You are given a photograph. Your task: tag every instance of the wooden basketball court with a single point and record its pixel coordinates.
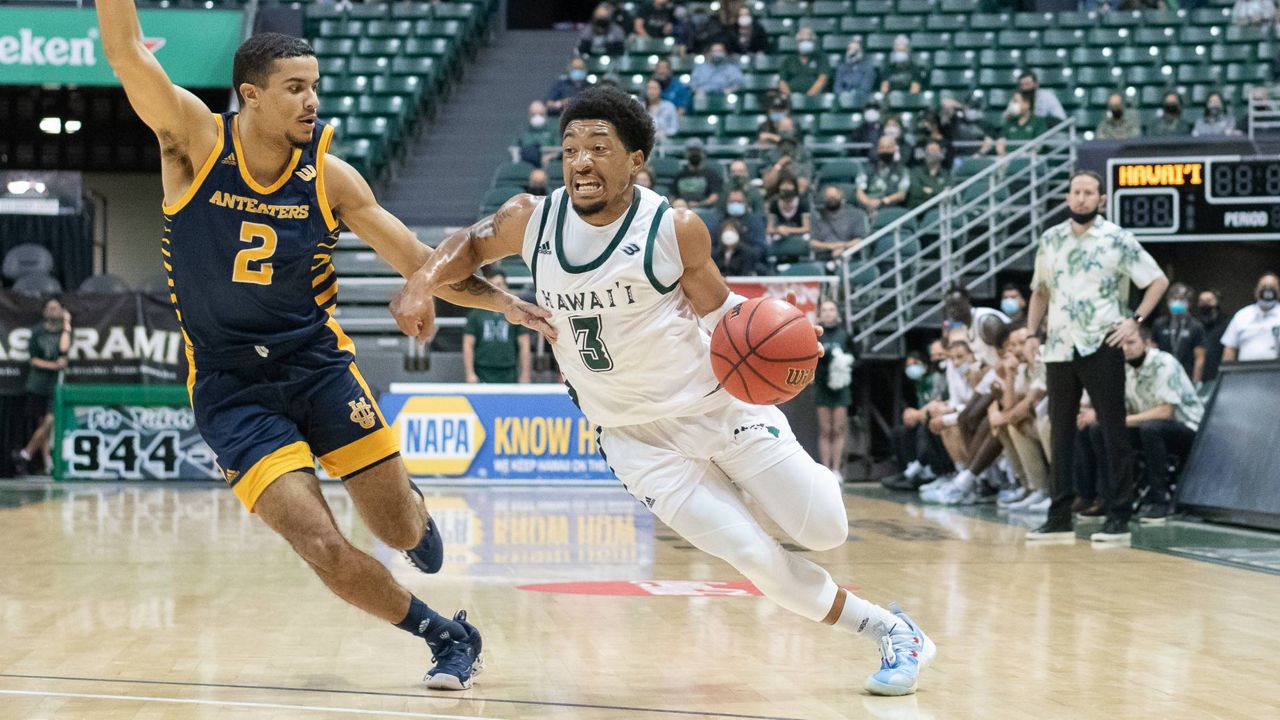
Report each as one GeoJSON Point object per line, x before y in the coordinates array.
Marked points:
{"type": "Point", "coordinates": [131, 601]}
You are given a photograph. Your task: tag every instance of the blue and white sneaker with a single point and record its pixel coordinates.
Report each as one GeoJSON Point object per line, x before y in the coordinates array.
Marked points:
{"type": "Point", "coordinates": [1011, 495]}
{"type": "Point", "coordinates": [904, 652]}
{"type": "Point", "coordinates": [955, 494]}
{"type": "Point", "coordinates": [456, 654]}
{"type": "Point", "coordinates": [932, 486]}
{"type": "Point", "coordinates": [428, 555]}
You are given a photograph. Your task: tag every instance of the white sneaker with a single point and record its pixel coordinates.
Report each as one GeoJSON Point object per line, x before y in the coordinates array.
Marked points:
{"type": "Point", "coordinates": [956, 494]}
{"type": "Point", "coordinates": [1011, 496]}
{"type": "Point", "coordinates": [1040, 506]}
{"type": "Point", "coordinates": [1032, 498]}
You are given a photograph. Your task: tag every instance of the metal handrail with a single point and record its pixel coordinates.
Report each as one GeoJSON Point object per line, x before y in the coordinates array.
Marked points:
{"type": "Point", "coordinates": [1263, 114]}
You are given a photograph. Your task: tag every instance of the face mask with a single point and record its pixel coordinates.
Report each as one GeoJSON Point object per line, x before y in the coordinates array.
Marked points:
{"type": "Point", "coordinates": [737, 209]}
{"type": "Point", "coordinates": [898, 56]}
{"type": "Point", "coordinates": [1213, 111]}
{"type": "Point", "coordinates": [602, 23]}
{"type": "Point", "coordinates": [854, 54]}
{"type": "Point", "coordinates": [933, 158]}
{"type": "Point", "coordinates": [973, 115]}
{"type": "Point", "coordinates": [871, 115]}
{"type": "Point", "coordinates": [695, 158]}
{"type": "Point", "coordinates": [1137, 362]}
{"type": "Point", "coordinates": [577, 75]}
{"type": "Point", "coordinates": [699, 20]}
{"type": "Point", "coordinates": [1015, 110]}
{"type": "Point", "coordinates": [787, 193]}
{"type": "Point", "coordinates": [1010, 306]}
{"type": "Point", "coordinates": [1207, 313]}
{"type": "Point", "coordinates": [833, 204]}
{"type": "Point", "coordinates": [1085, 218]}
{"type": "Point", "coordinates": [718, 58]}
{"type": "Point", "coordinates": [1267, 298]}
{"type": "Point", "coordinates": [1178, 307]}
{"type": "Point", "coordinates": [537, 189]}
{"type": "Point", "coordinates": [537, 121]}
{"type": "Point", "coordinates": [893, 131]}
{"type": "Point", "coordinates": [966, 368]}
{"type": "Point", "coordinates": [805, 47]}
{"type": "Point", "coordinates": [915, 371]}
{"type": "Point", "coordinates": [729, 238]}
{"type": "Point", "coordinates": [744, 21]}
{"type": "Point", "coordinates": [1117, 112]}
{"type": "Point", "coordinates": [1172, 110]}
{"type": "Point", "coordinates": [885, 158]}
{"type": "Point", "coordinates": [776, 116]}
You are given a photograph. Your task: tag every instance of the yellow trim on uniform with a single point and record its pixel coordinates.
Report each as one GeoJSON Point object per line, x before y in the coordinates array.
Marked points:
{"type": "Point", "coordinates": [322, 197]}
{"type": "Point", "coordinates": [377, 445]}
{"type": "Point", "coordinates": [344, 342]}
{"type": "Point", "coordinates": [244, 165]}
{"type": "Point", "coordinates": [267, 470]}
{"type": "Point", "coordinates": [165, 253]}
{"type": "Point", "coordinates": [327, 295]}
{"type": "Point", "coordinates": [324, 275]}
{"type": "Point", "coordinates": [368, 393]}
{"type": "Point", "coordinates": [167, 266]}
{"type": "Point", "coordinates": [198, 180]}
{"type": "Point", "coordinates": [191, 365]}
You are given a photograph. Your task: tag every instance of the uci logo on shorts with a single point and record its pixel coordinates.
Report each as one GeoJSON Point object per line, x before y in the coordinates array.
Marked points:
{"type": "Point", "coordinates": [362, 413]}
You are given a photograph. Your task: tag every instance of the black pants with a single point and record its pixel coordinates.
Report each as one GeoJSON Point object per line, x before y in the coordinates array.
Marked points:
{"type": "Point", "coordinates": [1102, 374]}
{"type": "Point", "coordinates": [1159, 439]}
{"type": "Point", "coordinates": [1088, 462]}
{"type": "Point", "coordinates": [918, 444]}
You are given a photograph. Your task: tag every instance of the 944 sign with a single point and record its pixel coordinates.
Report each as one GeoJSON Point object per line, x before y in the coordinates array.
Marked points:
{"type": "Point", "coordinates": [124, 442]}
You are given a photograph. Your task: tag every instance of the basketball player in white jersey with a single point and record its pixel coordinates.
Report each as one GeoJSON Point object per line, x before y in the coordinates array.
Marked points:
{"type": "Point", "coordinates": [633, 295]}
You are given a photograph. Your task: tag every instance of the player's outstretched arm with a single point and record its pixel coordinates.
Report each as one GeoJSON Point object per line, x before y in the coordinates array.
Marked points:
{"type": "Point", "coordinates": [182, 122]}
{"type": "Point", "coordinates": [457, 258]}
{"type": "Point", "coordinates": [352, 199]}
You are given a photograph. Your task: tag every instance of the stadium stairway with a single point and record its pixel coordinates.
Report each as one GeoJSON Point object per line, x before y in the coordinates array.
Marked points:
{"type": "Point", "coordinates": [450, 167]}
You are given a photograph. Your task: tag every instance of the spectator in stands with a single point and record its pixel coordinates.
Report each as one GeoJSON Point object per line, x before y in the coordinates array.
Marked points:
{"type": "Point", "coordinates": [1253, 12]}
{"type": "Point", "coordinates": [698, 183]}
{"type": "Point", "coordinates": [644, 178]}
{"type": "Point", "coordinates": [603, 36]}
{"type": "Point", "coordinates": [47, 347]}
{"type": "Point", "coordinates": [1180, 334]}
{"type": "Point", "coordinates": [701, 30]}
{"type": "Point", "coordinates": [807, 71]}
{"type": "Point", "coordinates": [566, 88]}
{"type": "Point", "coordinates": [789, 157]}
{"type": "Point", "coordinates": [1164, 413]}
{"type": "Point", "coordinates": [537, 142]}
{"type": "Point", "coordinates": [657, 19]}
{"type": "Point", "coordinates": [751, 226]}
{"type": "Point", "coordinates": [718, 74]}
{"type": "Point", "coordinates": [1215, 324]}
{"type": "Point", "coordinates": [1119, 124]}
{"type": "Point", "coordinates": [961, 122]}
{"type": "Point", "coordinates": [888, 183]}
{"type": "Point", "coordinates": [1013, 303]}
{"type": "Point", "coordinates": [1170, 122]}
{"type": "Point", "coordinates": [1044, 101]}
{"type": "Point", "coordinates": [929, 178]}
{"type": "Point", "coordinates": [672, 88]}
{"type": "Point", "coordinates": [789, 210]}
{"type": "Point", "coordinates": [732, 254]}
{"type": "Point", "coordinates": [666, 121]}
{"type": "Point", "coordinates": [494, 350]}
{"type": "Point", "coordinates": [537, 182]}
{"type": "Point", "coordinates": [1214, 121]}
{"type": "Point", "coordinates": [776, 121]}
{"type": "Point", "coordinates": [1021, 124]}
{"type": "Point", "coordinates": [920, 454]}
{"type": "Point", "coordinates": [1254, 332]}
{"type": "Point", "coordinates": [831, 384]}
{"type": "Point", "coordinates": [746, 35]}
{"type": "Point", "coordinates": [901, 72]}
{"type": "Point", "coordinates": [837, 226]}
{"type": "Point", "coordinates": [894, 128]}
{"type": "Point", "coordinates": [856, 73]}
{"type": "Point", "coordinates": [929, 129]}
{"type": "Point", "coordinates": [869, 131]}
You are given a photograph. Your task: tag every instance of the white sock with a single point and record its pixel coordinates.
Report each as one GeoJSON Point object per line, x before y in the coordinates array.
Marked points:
{"type": "Point", "coordinates": [864, 618]}
{"type": "Point", "coordinates": [926, 473]}
{"type": "Point", "coordinates": [913, 469]}
{"type": "Point", "coordinates": [963, 480]}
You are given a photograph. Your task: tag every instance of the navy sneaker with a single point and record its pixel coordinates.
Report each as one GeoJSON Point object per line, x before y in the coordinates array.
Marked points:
{"type": "Point", "coordinates": [428, 556]}
{"type": "Point", "coordinates": [455, 650]}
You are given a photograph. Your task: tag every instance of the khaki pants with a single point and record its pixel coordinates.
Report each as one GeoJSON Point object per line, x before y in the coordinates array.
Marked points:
{"type": "Point", "coordinates": [1042, 429]}
{"type": "Point", "coordinates": [1022, 448]}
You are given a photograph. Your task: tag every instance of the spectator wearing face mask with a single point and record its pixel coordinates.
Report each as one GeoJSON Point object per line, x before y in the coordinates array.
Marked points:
{"type": "Point", "coordinates": [872, 124]}
{"type": "Point", "coordinates": [1253, 12]}
{"type": "Point", "coordinates": [1013, 303]}
{"type": "Point", "coordinates": [901, 72]}
{"type": "Point", "coordinates": [698, 183]}
{"type": "Point", "coordinates": [893, 128]}
{"type": "Point", "coordinates": [718, 74]}
{"type": "Point", "coordinates": [746, 35]}
{"type": "Point", "coordinates": [929, 129]}
{"type": "Point", "coordinates": [961, 123]}
{"type": "Point", "coordinates": [666, 121]}
{"type": "Point", "coordinates": [751, 226]}
{"type": "Point", "coordinates": [1044, 102]}
{"type": "Point", "coordinates": [1170, 122]}
{"type": "Point", "coordinates": [856, 73]}
{"type": "Point", "coordinates": [1021, 124]}
{"type": "Point", "coordinates": [807, 71]}
{"type": "Point", "coordinates": [832, 392]}
{"type": "Point", "coordinates": [657, 19]}
{"type": "Point", "coordinates": [1119, 124]}
{"type": "Point", "coordinates": [1215, 324]}
{"type": "Point", "coordinates": [566, 88]}
{"type": "Point", "coordinates": [673, 89]}
{"type": "Point", "coordinates": [538, 141]}
{"type": "Point", "coordinates": [1164, 413]}
{"type": "Point", "coordinates": [837, 226]}
{"type": "Point", "coordinates": [739, 178]}
{"type": "Point", "coordinates": [777, 121]}
{"type": "Point", "coordinates": [603, 36]}
{"type": "Point", "coordinates": [920, 454]}
{"type": "Point", "coordinates": [929, 178]}
{"type": "Point", "coordinates": [732, 254]}
{"type": "Point", "coordinates": [1254, 332]}
{"type": "Point", "coordinates": [1180, 334]}
{"type": "Point", "coordinates": [700, 30]}
{"type": "Point", "coordinates": [789, 210]}
{"type": "Point", "coordinates": [1214, 122]}
{"type": "Point", "coordinates": [888, 183]}
{"type": "Point", "coordinates": [537, 182]}
{"type": "Point", "coordinates": [788, 157]}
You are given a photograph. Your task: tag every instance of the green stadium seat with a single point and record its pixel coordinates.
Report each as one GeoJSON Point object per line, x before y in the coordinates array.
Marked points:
{"type": "Point", "coordinates": [373, 128]}
{"type": "Point", "coordinates": [994, 23]}
{"type": "Point", "coordinates": [716, 103]}
{"type": "Point", "coordinates": [760, 82]}
{"type": "Point", "coordinates": [831, 8]}
{"type": "Point", "coordinates": [1097, 96]}
{"type": "Point", "coordinates": [1045, 57]}
{"type": "Point", "coordinates": [1248, 73]}
{"type": "Point", "coordinates": [860, 24]}
{"type": "Point", "coordinates": [1128, 19]}
{"type": "Point", "coordinates": [1130, 56]}
{"type": "Point", "coordinates": [812, 103]}
{"type": "Point", "coordinates": [1141, 75]}
{"type": "Point", "coordinates": [786, 9]}
{"type": "Point", "coordinates": [369, 66]}
{"type": "Point", "coordinates": [368, 11]}
{"type": "Point", "coordinates": [1095, 76]}
{"type": "Point", "coordinates": [1082, 57]}
{"type": "Point", "coordinates": [742, 125]}
{"type": "Point", "coordinates": [873, 7]}
{"type": "Point", "coordinates": [945, 23]}
{"type": "Point", "coordinates": [1252, 35]}
{"type": "Point", "coordinates": [451, 29]}
{"type": "Point", "coordinates": [361, 155]}
{"type": "Point", "coordinates": [959, 7]}
{"type": "Point", "coordinates": [791, 249]}
{"type": "Point", "coordinates": [1179, 55]}
{"type": "Point", "coordinates": [1074, 20]}
{"type": "Point", "coordinates": [970, 40]}
{"type": "Point", "coordinates": [834, 43]}
{"type": "Point", "coordinates": [879, 42]}
{"type": "Point", "coordinates": [1033, 21]}
{"type": "Point", "coordinates": [320, 12]}
{"type": "Point", "coordinates": [494, 198]}
{"type": "Point", "coordinates": [1151, 97]}
{"type": "Point", "coordinates": [1000, 59]}
{"type": "Point", "coordinates": [1159, 36]}
{"type": "Point", "coordinates": [777, 27]}
{"type": "Point", "coordinates": [917, 7]}
{"type": "Point", "coordinates": [633, 65]}
{"type": "Point", "coordinates": [926, 41]}
{"type": "Point", "coordinates": [840, 170]}
{"type": "Point", "coordinates": [806, 268]}
{"type": "Point", "coordinates": [664, 167]}
{"type": "Point", "coordinates": [1107, 37]}
{"type": "Point", "coordinates": [1062, 38]}
{"type": "Point", "coordinates": [953, 79]}
{"type": "Point", "coordinates": [864, 276]}
{"type": "Point", "coordinates": [908, 101]}
{"type": "Point", "coordinates": [423, 67]}
{"type": "Point", "coordinates": [385, 47]}
{"type": "Point", "coordinates": [886, 215]}
{"type": "Point", "coordinates": [837, 123]}
{"type": "Point", "coordinates": [410, 86]}
{"type": "Point", "coordinates": [1211, 16]}
{"type": "Point", "coordinates": [332, 66]}
{"type": "Point", "coordinates": [1199, 73]}
{"type": "Point", "coordinates": [333, 47]}
{"type": "Point", "coordinates": [1192, 35]}
{"type": "Point", "coordinates": [907, 24]}
{"type": "Point", "coordinates": [1018, 39]}
{"type": "Point", "coordinates": [388, 28]}
{"type": "Point", "coordinates": [993, 78]}
{"type": "Point", "coordinates": [952, 59]}
{"type": "Point", "coordinates": [350, 85]}
{"type": "Point", "coordinates": [420, 47]}
{"type": "Point", "coordinates": [650, 46]}
{"type": "Point", "coordinates": [973, 165]}
{"type": "Point", "coordinates": [516, 173]}
{"type": "Point", "coordinates": [1233, 53]}
{"type": "Point", "coordinates": [411, 10]}
{"type": "Point", "coordinates": [340, 29]}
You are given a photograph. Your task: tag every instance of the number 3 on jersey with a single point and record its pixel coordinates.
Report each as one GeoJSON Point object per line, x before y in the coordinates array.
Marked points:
{"type": "Point", "coordinates": [260, 275]}
{"type": "Point", "coordinates": [586, 333]}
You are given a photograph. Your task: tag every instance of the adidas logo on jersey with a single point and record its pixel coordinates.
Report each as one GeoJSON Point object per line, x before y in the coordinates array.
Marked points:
{"type": "Point", "coordinates": [631, 249]}
{"type": "Point", "coordinates": [230, 159]}
{"type": "Point", "coordinates": [307, 174]}
{"type": "Point", "coordinates": [544, 248]}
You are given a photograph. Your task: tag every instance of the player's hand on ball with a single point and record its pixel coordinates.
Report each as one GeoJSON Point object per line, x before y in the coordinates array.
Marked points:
{"type": "Point", "coordinates": [817, 329]}
{"type": "Point", "coordinates": [414, 309]}
{"type": "Point", "coordinates": [531, 316]}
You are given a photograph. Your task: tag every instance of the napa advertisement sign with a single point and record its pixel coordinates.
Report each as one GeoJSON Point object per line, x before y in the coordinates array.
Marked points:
{"type": "Point", "coordinates": [61, 46]}
{"type": "Point", "coordinates": [493, 432]}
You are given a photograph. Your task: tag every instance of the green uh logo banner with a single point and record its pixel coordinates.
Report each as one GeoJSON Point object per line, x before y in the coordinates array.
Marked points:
{"type": "Point", "coordinates": [42, 45]}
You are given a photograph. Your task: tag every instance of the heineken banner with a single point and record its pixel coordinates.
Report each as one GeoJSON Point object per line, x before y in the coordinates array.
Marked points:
{"type": "Point", "coordinates": [60, 46]}
{"type": "Point", "coordinates": [117, 338]}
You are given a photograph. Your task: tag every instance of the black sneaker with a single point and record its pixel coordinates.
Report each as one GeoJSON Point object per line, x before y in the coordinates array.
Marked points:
{"type": "Point", "coordinates": [21, 465]}
{"type": "Point", "coordinates": [1114, 530]}
{"type": "Point", "coordinates": [1053, 530]}
{"type": "Point", "coordinates": [1155, 512]}
{"type": "Point", "coordinates": [456, 652]}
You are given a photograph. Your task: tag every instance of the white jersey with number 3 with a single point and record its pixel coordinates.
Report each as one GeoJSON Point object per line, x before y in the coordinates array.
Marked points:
{"type": "Point", "coordinates": [628, 339]}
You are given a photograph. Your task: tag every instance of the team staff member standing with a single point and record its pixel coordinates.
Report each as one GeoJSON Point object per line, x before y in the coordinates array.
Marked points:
{"type": "Point", "coordinates": [494, 350]}
{"type": "Point", "coordinates": [50, 341]}
{"type": "Point", "coordinates": [1081, 282]}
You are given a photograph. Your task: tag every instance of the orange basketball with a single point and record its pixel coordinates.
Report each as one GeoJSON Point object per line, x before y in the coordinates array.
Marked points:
{"type": "Point", "coordinates": [764, 351]}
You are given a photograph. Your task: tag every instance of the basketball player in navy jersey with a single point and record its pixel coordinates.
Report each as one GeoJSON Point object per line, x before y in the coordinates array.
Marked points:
{"type": "Point", "coordinates": [252, 208]}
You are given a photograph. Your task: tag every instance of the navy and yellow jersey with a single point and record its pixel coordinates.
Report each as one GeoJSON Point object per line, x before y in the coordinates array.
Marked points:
{"type": "Point", "coordinates": [249, 266]}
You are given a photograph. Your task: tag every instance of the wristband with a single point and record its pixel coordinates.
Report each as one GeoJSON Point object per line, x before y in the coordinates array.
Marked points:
{"type": "Point", "coordinates": [711, 319]}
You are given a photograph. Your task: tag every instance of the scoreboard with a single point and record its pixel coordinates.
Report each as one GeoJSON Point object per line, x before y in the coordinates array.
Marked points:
{"type": "Point", "coordinates": [1194, 198]}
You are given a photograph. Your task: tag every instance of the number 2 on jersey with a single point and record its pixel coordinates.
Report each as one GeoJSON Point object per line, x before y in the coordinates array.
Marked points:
{"type": "Point", "coordinates": [260, 275]}
{"type": "Point", "coordinates": [586, 332]}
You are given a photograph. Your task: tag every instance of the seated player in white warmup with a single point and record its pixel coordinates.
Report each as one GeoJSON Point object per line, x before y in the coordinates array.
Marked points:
{"type": "Point", "coordinates": [633, 295]}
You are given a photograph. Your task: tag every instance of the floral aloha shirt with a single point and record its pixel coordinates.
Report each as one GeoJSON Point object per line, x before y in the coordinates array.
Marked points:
{"type": "Point", "coordinates": [1161, 380]}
